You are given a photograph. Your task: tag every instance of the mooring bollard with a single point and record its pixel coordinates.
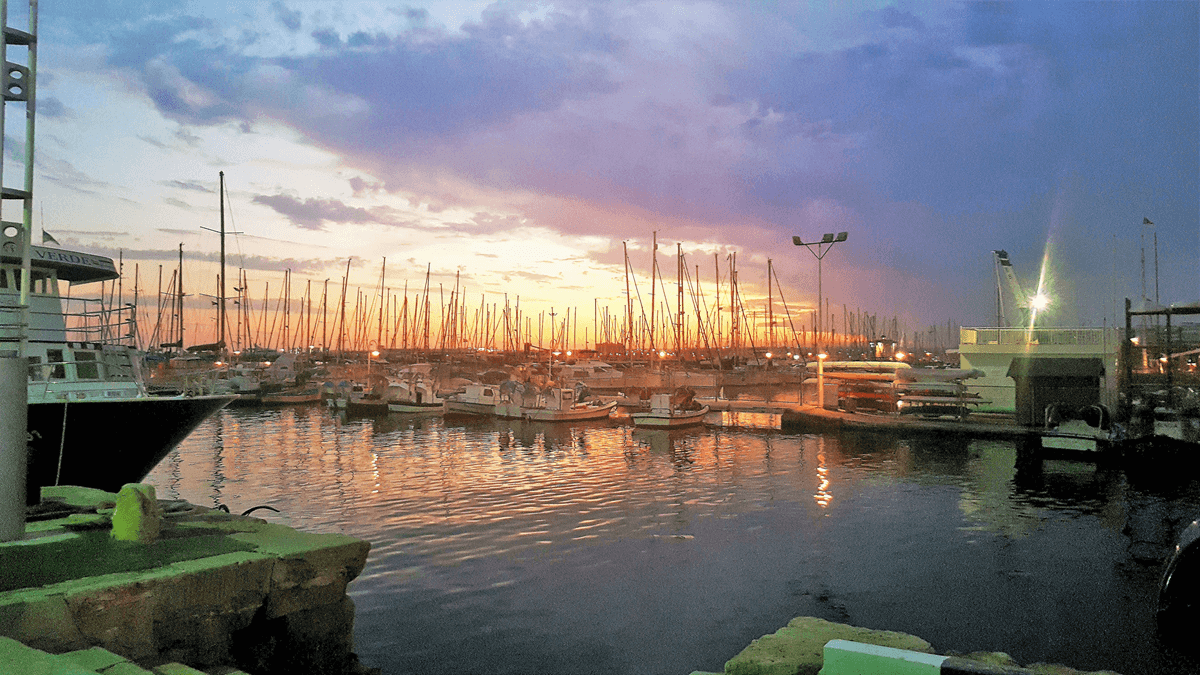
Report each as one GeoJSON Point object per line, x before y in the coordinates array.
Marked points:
{"type": "Point", "coordinates": [13, 452]}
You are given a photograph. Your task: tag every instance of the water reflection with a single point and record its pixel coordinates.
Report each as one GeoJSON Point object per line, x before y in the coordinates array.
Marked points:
{"type": "Point", "coordinates": [516, 546]}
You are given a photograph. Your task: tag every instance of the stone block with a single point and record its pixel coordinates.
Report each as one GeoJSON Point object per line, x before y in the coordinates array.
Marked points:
{"type": "Point", "coordinates": [127, 668]}
{"type": "Point", "coordinates": [19, 659]}
{"type": "Point", "coordinates": [312, 569]}
{"type": "Point", "coordinates": [798, 648]}
{"type": "Point", "coordinates": [137, 516]}
{"type": "Point", "coordinates": [40, 620]}
{"type": "Point", "coordinates": [118, 618]}
{"type": "Point", "coordinates": [843, 657]}
{"type": "Point", "coordinates": [176, 669]}
{"type": "Point", "coordinates": [74, 495]}
{"type": "Point", "coordinates": [96, 658]}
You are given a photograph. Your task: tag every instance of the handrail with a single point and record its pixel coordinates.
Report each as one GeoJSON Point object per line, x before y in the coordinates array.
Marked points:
{"type": "Point", "coordinates": [1035, 336]}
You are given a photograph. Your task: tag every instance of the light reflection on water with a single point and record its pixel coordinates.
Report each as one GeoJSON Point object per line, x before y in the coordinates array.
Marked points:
{"type": "Point", "coordinates": [523, 547]}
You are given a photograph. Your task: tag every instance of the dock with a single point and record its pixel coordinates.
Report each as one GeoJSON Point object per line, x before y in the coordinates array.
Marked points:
{"type": "Point", "coordinates": [190, 590]}
{"type": "Point", "coordinates": [805, 417]}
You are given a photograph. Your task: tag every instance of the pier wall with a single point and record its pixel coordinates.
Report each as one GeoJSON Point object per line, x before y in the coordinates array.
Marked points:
{"type": "Point", "coordinates": [213, 590]}
{"type": "Point", "coordinates": [811, 646]}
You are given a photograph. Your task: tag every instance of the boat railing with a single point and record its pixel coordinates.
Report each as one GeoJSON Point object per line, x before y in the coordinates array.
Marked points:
{"type": "Point", "coordinates": [1037, 336]}
{"type": "Point", "coordinates": [92, 320]}
{"type": "Point", "coordinates": [75, 320]}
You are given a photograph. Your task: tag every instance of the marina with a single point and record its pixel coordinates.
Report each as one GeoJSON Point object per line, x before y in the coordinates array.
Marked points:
{"type": "Point", "coordinates": [454, 469]}
{"type": "Point", "coordinates": [516, 546]}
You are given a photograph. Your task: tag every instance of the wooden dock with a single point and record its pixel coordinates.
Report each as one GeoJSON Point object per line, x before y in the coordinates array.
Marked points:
{"type": "Point", "coordinates": [795, 416]}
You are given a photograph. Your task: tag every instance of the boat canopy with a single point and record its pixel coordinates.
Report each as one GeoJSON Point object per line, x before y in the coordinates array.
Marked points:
{"type": "Point", "coordinates": [77, 268]}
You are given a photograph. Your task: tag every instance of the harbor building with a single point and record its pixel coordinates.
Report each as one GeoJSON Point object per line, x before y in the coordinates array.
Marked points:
{"type": "Point", "coordinates": [993, 350]}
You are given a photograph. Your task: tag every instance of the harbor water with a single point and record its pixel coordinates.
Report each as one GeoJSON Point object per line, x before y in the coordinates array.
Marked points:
{"type": "Point", "coordinates": [519, 547]}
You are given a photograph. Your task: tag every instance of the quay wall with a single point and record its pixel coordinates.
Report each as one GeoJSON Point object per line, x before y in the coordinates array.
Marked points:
{"type": "Point", "coordinates": [801, 648]}
{"type": "Point", "coordinates": [207, 589]}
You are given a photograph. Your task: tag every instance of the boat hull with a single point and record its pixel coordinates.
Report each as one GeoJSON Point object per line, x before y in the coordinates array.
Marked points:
{"type": "Point", "coordinates": [88, 455]}
{"type": "Point", "coordinates": [501, 410]}
{"type": "Point", "coordinates": [409, 407]}
{"type": "Point", "coordinates": [669, 420]}
{"type": "Point", "coordinates": [569, 415]}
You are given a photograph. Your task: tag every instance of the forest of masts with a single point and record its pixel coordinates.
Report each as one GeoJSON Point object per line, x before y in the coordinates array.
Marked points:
{"type": "Point", "coordinates": [699, 324]}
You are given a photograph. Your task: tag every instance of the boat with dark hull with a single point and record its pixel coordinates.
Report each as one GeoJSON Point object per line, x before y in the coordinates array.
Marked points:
{"type": "Point", "coordinates": [72, 442]}
{"type": "Point", "coordinates": [91, 420]}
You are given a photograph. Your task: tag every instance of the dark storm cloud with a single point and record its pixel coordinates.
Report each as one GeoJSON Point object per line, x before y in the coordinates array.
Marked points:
{"type": "Point", "coordinates": [314, 214]}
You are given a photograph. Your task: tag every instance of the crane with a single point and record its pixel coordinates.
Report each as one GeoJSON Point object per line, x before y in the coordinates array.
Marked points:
{"type": "Point", "coordinates": [1021, 308]}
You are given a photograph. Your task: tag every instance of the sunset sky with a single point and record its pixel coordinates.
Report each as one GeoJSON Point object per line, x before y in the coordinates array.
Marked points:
{"type": "Point", "coordinates": [520, 143]}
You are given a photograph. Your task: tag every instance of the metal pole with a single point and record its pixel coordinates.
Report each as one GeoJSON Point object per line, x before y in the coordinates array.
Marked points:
{"type": "Point", "coordinates": [12, 447]}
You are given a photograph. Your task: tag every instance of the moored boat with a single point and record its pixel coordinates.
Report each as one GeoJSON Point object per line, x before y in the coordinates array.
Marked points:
{"type": "Point", "coordinates": [564, 404]}
{"type": "Point", "coordinates": [84, 379]}
{"type": "Point", "coordinates": [670, 412]}
{"type": "Point", "coordinates": [1076, 432]}
{"type": "Point", "coordinates": [482, 400]}
{"type": "Point", "coordinates": [417, 395]}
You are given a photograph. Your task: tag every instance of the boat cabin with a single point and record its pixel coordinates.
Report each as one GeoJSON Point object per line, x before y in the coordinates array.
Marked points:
{"type": "Point", "coordinates": [74, 345]}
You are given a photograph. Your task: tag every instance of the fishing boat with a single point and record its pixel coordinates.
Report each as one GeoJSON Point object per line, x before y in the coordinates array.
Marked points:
{"type": "Point", "coordinates": [417, 395]}
{"type": "Point", "coordinates": [293, 396]}
{"type": "Point", "coordinates": [670, 411]}
{"type": "Point", "coordinates": [482, 400]}
{"type": "Point", "coordinates": [566, 404]}
{"type": "Point", "coordinates": [91, 420]}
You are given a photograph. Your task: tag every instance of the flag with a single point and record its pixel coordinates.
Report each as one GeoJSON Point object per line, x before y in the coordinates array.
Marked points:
{"type": "Point", "coordinates": [46, 238]}
{"type": "Point", "coordinates": [1146, 221]}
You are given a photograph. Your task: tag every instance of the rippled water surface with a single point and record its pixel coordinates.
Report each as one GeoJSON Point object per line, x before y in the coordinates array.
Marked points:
{"type": "Point", "coordinates": [519, 547]}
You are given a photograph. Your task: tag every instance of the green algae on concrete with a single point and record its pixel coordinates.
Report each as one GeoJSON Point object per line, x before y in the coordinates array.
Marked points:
{"type": "Point", "coordinates": [18, 659]}
{"type": "Point", "coordinates": [96, 658]}
{"type": "Point", "coordinates": [214, 590]}
{"type": "Point", "coordinates": [75, 495]}
{"type": "Point", "coordinates": [93, 553]}
{"type": "Point", "coordinates": [798, 648]}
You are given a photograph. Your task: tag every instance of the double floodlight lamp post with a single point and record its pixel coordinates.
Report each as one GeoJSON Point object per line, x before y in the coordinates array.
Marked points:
{"type": "Point", "coordinates": [822, 247]}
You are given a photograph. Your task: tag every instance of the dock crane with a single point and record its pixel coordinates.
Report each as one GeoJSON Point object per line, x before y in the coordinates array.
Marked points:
{"type": "Point", "coordinates": [1021, 308]}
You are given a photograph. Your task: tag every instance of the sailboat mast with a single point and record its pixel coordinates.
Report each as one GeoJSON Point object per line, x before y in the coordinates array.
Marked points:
{"type": "Point", "coordinates": [181, 296]}
{"type": "Point", "coordinates": [221, 284]}
{"type": "Point", "coordinates": [679, 301]}
{"type": "Point", "coordinates": [770, 310]}
{"type": "Point", "coordinates": [628, 308]}
{"type": "Point", "coordinates": [382, 301]}
{"type": "Point", "coordinates": [653, 281]}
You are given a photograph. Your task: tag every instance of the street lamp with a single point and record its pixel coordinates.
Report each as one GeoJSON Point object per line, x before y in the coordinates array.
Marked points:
{"type": "Point", "coordinates": [822, 247]}
{"type": "Point", "coordinates": [821, 380]}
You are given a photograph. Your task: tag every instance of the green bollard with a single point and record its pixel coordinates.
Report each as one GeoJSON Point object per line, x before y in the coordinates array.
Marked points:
{"type": "Point", "coordinates": [137, 516]}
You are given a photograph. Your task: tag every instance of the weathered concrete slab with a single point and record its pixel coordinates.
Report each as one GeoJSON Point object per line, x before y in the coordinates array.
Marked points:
{"type": "Point", "coordinates": [18, 659]}
{"type": "Point", "coordinates": [798, 648]}
{"type": "Point", "coordinates": [211, 589]}
{"type": "Point", "coordinates": [96, 658]}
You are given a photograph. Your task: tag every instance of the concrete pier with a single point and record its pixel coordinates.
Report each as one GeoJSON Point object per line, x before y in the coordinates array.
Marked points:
{"type": "Point", "coordinates": [812, 646]}
{"type": "Point", "coordinates": [214, 592]}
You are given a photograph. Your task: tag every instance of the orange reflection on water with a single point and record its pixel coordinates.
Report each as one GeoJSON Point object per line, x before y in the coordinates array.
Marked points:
{"type": "Point", "coordinates": [823, 496]}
